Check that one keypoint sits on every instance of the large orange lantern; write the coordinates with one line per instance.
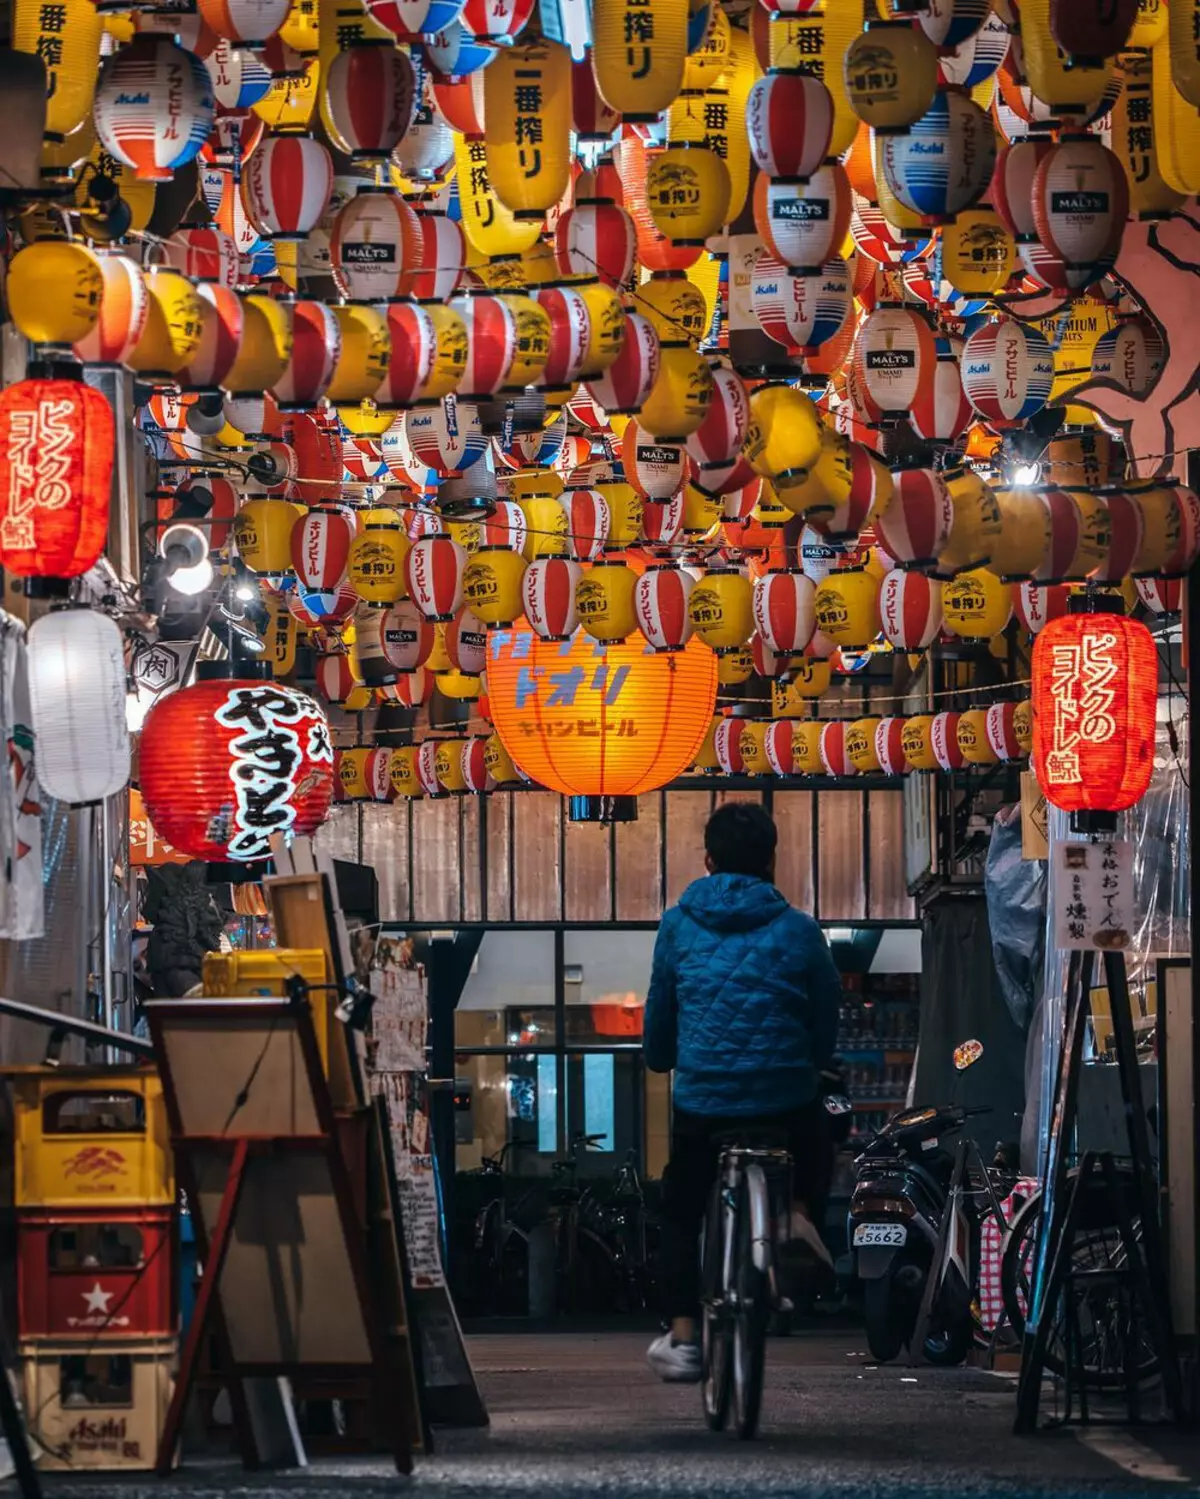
(590, 720)
(56, 457)
(1095, 690)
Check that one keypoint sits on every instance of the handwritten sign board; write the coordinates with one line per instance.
(1093, 895)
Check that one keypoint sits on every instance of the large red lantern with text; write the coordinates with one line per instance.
(1095, 690)
(56, 456)
(226, 764)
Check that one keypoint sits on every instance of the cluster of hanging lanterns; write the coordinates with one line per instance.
(695, 352)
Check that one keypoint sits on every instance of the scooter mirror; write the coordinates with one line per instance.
(966, 1054)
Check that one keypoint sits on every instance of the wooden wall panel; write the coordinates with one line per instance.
(793, 812)
(687, 812)
(639, 863)
(385, 835)
(888, 898)
(471, 812)
(498, 818)
(587, 875)
(536, 871)
(841, 885)
(435, 859)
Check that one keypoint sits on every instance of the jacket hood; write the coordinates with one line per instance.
(732, 902)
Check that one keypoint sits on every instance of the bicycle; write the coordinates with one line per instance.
(585, 1272)
(501, 1245)
(740, 1283)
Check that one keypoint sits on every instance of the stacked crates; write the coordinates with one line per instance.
(96, 1304)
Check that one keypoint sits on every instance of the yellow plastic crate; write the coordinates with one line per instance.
(236, 975)
(99, 1406)
(91, 1136)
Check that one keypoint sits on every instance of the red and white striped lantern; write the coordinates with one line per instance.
(660, 602)
(434, 570)
(768, 663)
(596, 238)
(834, 755)
(372, 242)
(1080, 201)
(410, 689)
(370, 90)
(589, 521)
(205, 253)
(570, 333)
(506, 527)
(662, 522)
(889, 747)
(474, 765)
(727, 746)
(1187, 509)
(499, 21)
(316, 349)
(910, 609)
(894, 361)
(942, 412)
(1001, 729)
(221, 322)
(287, 185)
(1066, 533)
(440, 252)
(1160, 595)
(784, 613)
(323, 608)
(250, 22)
(320, 545)
(592, 117)
(124, 308)
(427, 769)
(789, 119)
(1012, 184)
(915, 527)
(1130, 355)
(1038, 603)
(943, 740)
(655, 469)
(335, 677)
(548, 595)
(317, 450)
(414, 344)
(739, 504)
(1007, 371)
(423, 521)
(779, 747)
(805, 225)
(717, 441)
(465, 639)
(1127, 532)
(362, 458)
(626, 383)
(447, 437)
(491, 342)
(867, 476)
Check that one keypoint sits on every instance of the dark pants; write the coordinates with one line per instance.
(687, 1182)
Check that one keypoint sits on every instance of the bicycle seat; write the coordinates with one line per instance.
(752, 1137)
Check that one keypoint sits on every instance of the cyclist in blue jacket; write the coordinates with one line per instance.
(743, 1007)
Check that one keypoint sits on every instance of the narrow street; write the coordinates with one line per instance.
(581, 1415)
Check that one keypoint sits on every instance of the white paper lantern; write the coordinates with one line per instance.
(77, 689)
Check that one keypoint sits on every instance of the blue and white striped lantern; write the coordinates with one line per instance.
(447, 437)
(455, 53)
(536, 449)
(800, 312)
(944, 162)
(950, 23)
(154, 106)
(1007, 371)
(239, 76)
(977, 59)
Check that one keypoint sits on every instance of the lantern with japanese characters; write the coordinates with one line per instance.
(154, 106)
(889, 746)
(548, 597)
(890, 75)
(894, 360)
(370, 88)
(1095, 691)
(804, 224)
(916, 524)
(226, 764)
(586, 719)
(1080, 202)
(1007, 371)
(434, 572)
(638, 54)
(661, 598)
(910, 608)
(789, 118)
(527, 94)
(56, 456)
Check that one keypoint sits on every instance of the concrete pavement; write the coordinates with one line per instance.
(582, 1416)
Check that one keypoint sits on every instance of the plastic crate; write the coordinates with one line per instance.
(93, 1274)
(91, 1136)
(236, 975)
(101, 1407)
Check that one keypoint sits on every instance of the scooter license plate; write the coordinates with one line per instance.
(880, 1233)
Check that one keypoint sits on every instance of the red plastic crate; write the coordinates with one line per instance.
(94, 1273)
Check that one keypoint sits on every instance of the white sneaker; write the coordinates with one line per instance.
(676, 1363)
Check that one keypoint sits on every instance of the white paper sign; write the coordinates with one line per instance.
(1093, 895)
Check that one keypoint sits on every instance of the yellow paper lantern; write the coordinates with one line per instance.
(1023, 724)
(604, 601)
(534, 484)
(624, 512)
(978, 253)
(687, 193)
(266, 346)
(342, 24)
(139, 195)
(290, 104)
(674, 307)
(546, 523)
(783, 440)
(826, 486)
(280, 636)
(735, 667)
(301, 28)
(638, 54)
(533, 340)
(352, 773)
(365, 419)
(492, 585)
(606, 325)
(740, 77)
(976, 605)
(891, 76)
(450, 351)
(405, 779)
(860, 744)
(706, 756)
(54, 291)
(818, 44)
(499, 762)
(366, 349)
(1024, 534)
(1183, 47)
(973, 739)
(916, 742)
(847, 608)
(63, 157)
(721, 609)
(976, 524)
(1073, 334)
(1175, 133)
(681, 395)
(1149, 25)
(174, 324)
(1134, 130)
(1079, 459)
(376, 563)
(262, 532)
(447, 761)
(1072, 86)
(66, 36)
(753, 749)
(490, 227)
(527, 105)
(707, 63)
(702, 513)
(807, 679)
(806, 747)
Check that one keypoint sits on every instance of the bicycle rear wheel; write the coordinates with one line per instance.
(715, 1328)
(752, 1311)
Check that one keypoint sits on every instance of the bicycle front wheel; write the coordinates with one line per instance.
(751, 1313)
(715, 1328)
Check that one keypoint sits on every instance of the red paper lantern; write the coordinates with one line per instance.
(287, 185)
(1001, 729)
(56, 456)
(1095, 690)
(889, 747)
(548, 597)
(942, 412)
(894, 360)
(626, 383)
(784, 615)
(204, 253)
(660, 601)
(570, 332)
(434, 568)
(335, 677)
(226, 764)
(1080, 202)
(943, 740)
(414, 343)
(717, 441)
(662, 522)
(588, 522)
(1160, 595)
(492, 342)
(1038, 603)
(727, 746)
(320, 544)
(440, 254)
(910, 609)
(1012, 185)
(915, 527)
(374, 242)
(474, 765)
(834, 755)
(369, 90)
(1127, 531)
(779, 747)
(221, 321)
(316, 349)
(465, 639)
(789, 119)
(596, 238)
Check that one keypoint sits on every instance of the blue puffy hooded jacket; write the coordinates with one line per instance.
(743, 999)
